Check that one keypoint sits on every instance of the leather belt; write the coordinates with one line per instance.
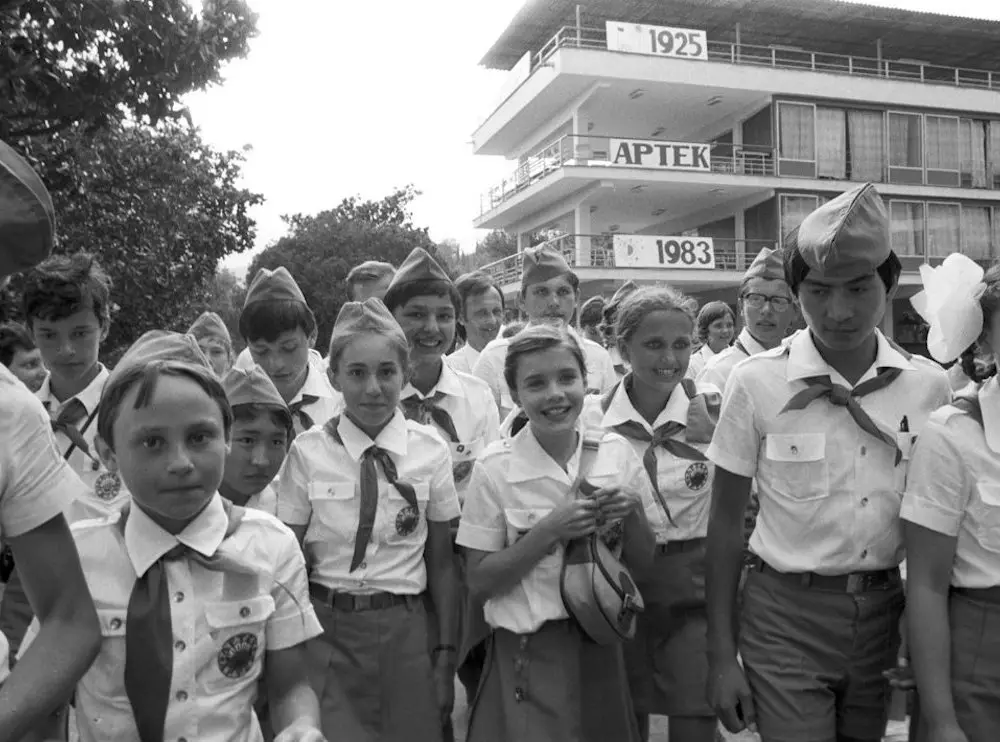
(350, 603)
(982, 594)
(680, 547)
(854, 582)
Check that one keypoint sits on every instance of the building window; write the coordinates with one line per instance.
(941, 135)
(905, 150)
(831, 143)
(866, 146)
(907, 218)
(994, 157)
(944, 232)
(794, 209)
(972, 151)
(796, 131)
(995, 231)
(976, 232)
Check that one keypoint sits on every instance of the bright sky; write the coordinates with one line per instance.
(342, 97)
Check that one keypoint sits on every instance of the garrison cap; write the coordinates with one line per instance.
(276, 285)
(251, 386)
(767, 265)
(370, 315)
(27, 217)
(847, 236)
(210, 325)
(542, 263)
(164, 346)
(418, 266)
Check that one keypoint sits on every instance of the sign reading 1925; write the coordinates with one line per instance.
(663, 41)
(652, 251)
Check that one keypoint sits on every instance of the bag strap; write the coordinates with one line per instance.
(588, 455)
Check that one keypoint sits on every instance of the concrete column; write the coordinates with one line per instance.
(888, 324)
(522, 241)
(582, 229)
(740, 233)
(581, 141)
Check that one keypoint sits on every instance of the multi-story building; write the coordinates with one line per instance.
(669, 140)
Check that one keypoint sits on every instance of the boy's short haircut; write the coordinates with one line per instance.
(796, 268)
(64, 285)
(398, 295)
(14, 337)
(266, 320)
(369, 271)
(476, 283)
(246, 413)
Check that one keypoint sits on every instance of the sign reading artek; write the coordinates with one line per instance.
(661, 155)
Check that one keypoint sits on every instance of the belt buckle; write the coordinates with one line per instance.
(362, 602)
(858, 582)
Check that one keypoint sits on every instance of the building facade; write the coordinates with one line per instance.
(671, 141)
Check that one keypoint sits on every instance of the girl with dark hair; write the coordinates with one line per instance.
(716, 328)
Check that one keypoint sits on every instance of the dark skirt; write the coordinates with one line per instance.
(975, 666)
(554, 685)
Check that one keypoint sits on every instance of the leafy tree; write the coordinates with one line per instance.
(320, 250)
(225, 295)
(495, 246)
(158, 207)
(97, 62)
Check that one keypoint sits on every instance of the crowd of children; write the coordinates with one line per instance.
(287, 546)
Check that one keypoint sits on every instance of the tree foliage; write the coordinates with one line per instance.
(96, 62)
(494, 246)
(320, 250)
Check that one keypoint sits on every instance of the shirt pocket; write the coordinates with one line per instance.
(987, 516)
(334, 511)
(796, 465)
(521, 520)
(407, 524)
(237, 629)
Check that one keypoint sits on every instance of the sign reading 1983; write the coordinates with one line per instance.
(651, 251)
(663, 41)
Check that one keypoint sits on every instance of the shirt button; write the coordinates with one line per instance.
(182, 739)
(181, 695)
(244, 612)
(116, 623)
(180, 646)
(864, 501)
(363, 565)
(519, 694)
(178, 597)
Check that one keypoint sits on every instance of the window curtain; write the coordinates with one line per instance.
(797, 131)
(994, 154)
(867, 149)
(794, 209)
(907, 220)
(904, 140)
(942, 143)
(831, 143)
(972, 141)
(995, 231)
(976, 232)
(944, 230)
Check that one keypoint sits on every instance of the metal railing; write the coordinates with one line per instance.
(794, 59)
(596, 251)
(574, 150)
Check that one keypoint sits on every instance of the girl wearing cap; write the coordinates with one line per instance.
(370, 495)
(716, 327)
(610, 315)
(668, 421)
(543, 680)
(951, 516)
(214, 340)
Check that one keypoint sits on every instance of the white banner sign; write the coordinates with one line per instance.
(660, 155)
(661, 41)
(647, 251)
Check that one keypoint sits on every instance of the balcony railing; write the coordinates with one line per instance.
(793, 59)
(596, 251)
(594, 151)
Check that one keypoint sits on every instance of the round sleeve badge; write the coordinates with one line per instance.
(237, 655)
(696, 476)
(407, 520)
(462, 470)
(107, 486)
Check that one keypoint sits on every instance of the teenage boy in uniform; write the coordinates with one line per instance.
(214, 340)
(549, 295)
(36, 486)
(824, 424)
(481, 316)
(767, 308)
(280, 329)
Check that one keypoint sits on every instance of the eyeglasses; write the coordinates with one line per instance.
(757, 301)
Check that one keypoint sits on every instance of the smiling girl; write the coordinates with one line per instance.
(543, 680)
(716, 325)
(668, 421)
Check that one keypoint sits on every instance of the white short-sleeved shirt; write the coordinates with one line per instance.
(685, 485)
(698, 360)
(464, 359)
(601, 375)
(954, 487)
(469, 402)
(319, 488)
(266, 501)
(717, 368)
(514, 486)
(222, 623)
(829, 492)
(87, 467)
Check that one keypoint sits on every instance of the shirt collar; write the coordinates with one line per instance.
(90, 397)
(447, 383)
(315, 384)
(146, 541)
(622, 410)
(750, 343)
(805, 361)
(392, 438)
(989, 403)
(532, 462)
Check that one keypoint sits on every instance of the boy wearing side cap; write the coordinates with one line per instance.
(549, 295)
(214, 340)
(824, 424)
(280, 330)
(262, 427)
(767, 308)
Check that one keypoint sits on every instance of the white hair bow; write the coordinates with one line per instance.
(949, 303)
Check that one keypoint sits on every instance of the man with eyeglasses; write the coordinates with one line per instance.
(767, 308)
